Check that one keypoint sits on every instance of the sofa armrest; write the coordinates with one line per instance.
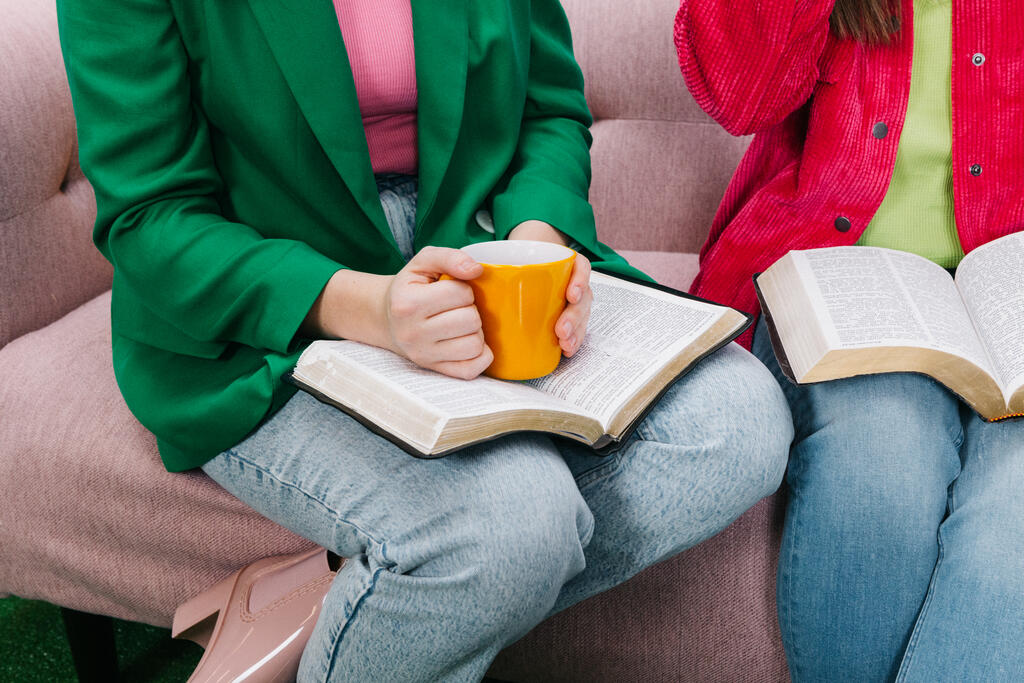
(48, 265)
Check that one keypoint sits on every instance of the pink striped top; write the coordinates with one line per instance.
(378, 39)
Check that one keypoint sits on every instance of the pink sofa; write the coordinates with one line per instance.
(89, 520)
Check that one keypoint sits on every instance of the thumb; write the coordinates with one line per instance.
(433, 262)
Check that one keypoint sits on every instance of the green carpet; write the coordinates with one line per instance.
(33, 648)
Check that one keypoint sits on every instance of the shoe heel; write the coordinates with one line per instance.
(196, 619)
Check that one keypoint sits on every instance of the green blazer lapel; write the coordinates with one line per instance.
(440, 30)
(306, 41)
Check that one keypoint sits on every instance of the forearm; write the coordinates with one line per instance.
(418, 313)
(539, 231)
(351, 306)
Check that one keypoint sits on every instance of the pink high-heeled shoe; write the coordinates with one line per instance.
(255, 623)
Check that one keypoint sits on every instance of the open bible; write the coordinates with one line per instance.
(845, 311)
(640, 339)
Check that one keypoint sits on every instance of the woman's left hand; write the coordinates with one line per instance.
(572, 324)
(571, 327)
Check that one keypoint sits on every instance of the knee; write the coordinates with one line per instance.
(726, 427)
(748, 423)
(868, 420)
(896, 497)
(764, 436)
(877, 445)
(985, 534)
(862, 463)
(512, 553)
(520, 565)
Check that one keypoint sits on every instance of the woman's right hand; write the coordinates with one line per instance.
(434, 322)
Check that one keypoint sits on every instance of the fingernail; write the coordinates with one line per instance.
(577, 292)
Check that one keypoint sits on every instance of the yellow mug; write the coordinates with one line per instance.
(520, 295)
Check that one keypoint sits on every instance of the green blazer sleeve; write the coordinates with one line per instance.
(193, 279)
(549, 176)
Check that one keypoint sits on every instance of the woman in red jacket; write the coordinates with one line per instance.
(887, 124)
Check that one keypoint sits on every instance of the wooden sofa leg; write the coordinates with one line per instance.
(91, 637)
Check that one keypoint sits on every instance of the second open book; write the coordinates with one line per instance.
(845, 311)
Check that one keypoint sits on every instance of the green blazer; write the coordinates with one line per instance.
(232, 178)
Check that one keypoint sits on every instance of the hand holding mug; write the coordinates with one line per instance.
(528, 310)
(571, 327)
(432, 320)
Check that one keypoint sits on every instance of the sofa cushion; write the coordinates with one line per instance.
(91, 520)
(88, 513)
(660, 164)
(48, 265)
(669, 268)
(72, 452)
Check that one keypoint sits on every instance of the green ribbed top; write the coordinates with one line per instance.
(917, 212)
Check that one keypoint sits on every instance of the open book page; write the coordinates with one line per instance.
(639, 340)
(382, 383)
(991, 281)
(871, 297)
(633, 332)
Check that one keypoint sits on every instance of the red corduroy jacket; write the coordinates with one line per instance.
(827, 116)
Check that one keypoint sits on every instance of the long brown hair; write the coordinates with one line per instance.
(868, 21)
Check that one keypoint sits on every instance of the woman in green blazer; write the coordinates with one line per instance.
(237, 203)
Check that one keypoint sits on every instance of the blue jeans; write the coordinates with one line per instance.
(398, 194)
(903, 551)
(450, 560)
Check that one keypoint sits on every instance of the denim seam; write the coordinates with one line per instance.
(958, 441)
(793, 657)
(585, 541)
(386, 561)
(908, 653)
(337, 515)
(795, 662)
(371, 584)
(602, 471)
